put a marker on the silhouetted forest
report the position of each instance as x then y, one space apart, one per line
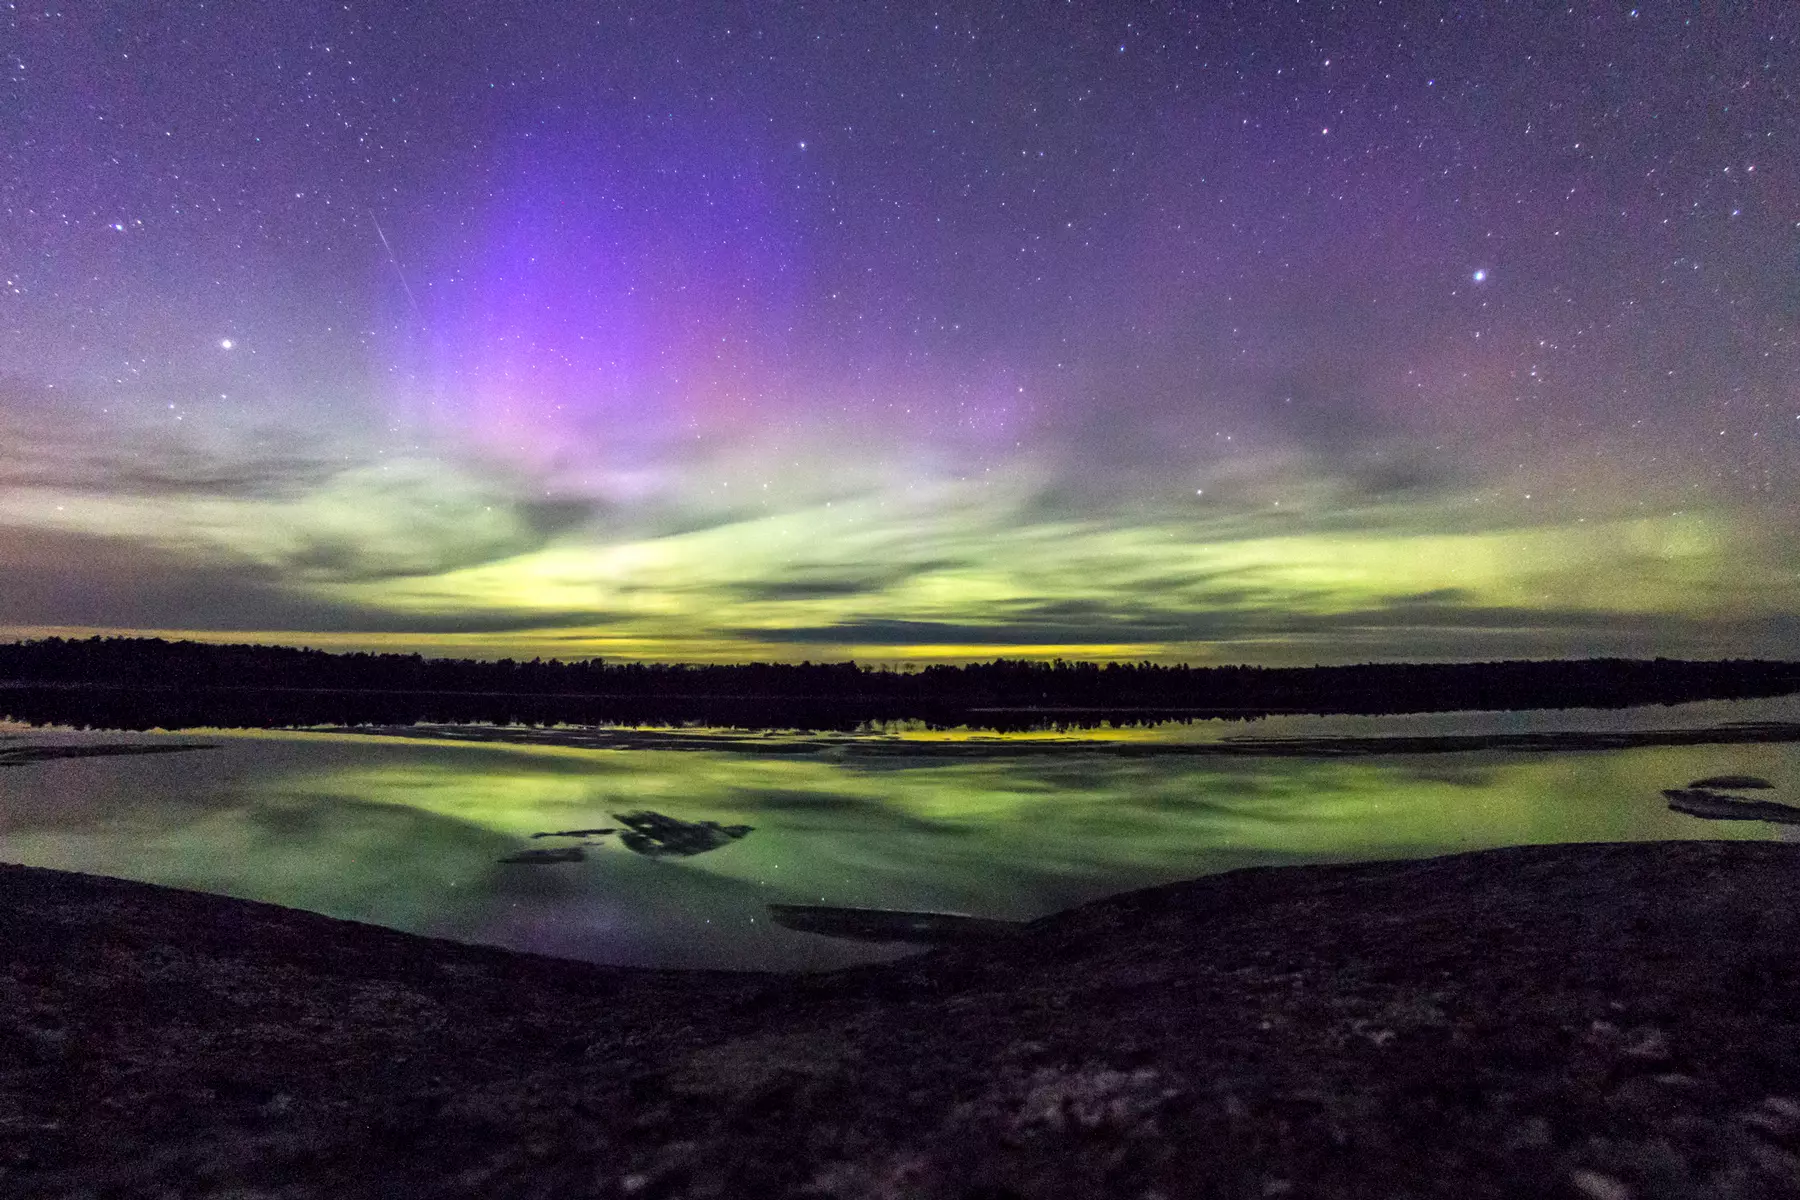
142 683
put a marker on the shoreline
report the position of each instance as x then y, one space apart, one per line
15 750
1535 1020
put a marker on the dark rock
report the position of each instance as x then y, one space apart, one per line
539 858
1591 1020
890 924
19 755
577 833
656 834
1717 806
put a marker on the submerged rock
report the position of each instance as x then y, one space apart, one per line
890 924
1717 806
18 756
657 835
1731 781
539 858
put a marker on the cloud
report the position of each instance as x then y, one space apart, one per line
1413 631
400 517
55 579
837 581
64 440
227 494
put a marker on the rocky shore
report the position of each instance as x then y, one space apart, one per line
1601 1021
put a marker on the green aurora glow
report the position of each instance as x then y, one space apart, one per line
1277 334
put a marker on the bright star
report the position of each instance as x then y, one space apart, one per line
225 343
1481 275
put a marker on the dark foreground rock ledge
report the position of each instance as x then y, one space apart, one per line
1601 1021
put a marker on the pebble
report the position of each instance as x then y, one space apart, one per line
1778 1117
1784 1107
1598 1186
1648 1043
1778 1163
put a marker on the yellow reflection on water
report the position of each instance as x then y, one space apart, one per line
410 831
924 831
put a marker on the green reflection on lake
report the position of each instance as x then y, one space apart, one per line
408 832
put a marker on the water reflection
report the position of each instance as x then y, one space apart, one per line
431 834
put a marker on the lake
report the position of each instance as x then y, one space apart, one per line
408 828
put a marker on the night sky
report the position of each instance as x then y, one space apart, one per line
1278 333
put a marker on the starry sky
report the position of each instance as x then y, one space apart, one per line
1278 333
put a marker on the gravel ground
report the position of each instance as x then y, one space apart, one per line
1600 1021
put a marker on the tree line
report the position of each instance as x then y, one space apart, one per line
123 682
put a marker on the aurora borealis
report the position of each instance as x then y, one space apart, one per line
1273 333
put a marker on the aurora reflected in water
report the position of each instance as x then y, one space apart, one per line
409 832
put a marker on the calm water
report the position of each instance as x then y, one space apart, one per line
408 831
